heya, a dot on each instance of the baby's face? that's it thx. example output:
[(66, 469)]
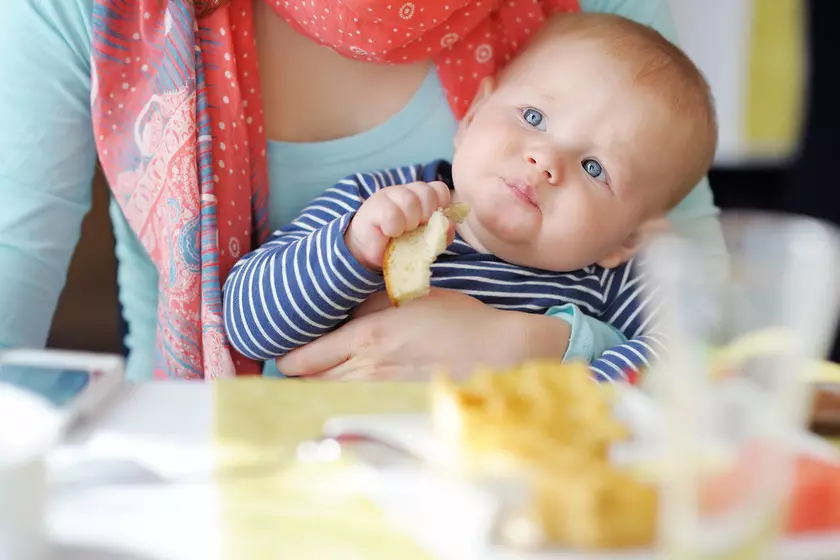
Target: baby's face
[(564, 160)]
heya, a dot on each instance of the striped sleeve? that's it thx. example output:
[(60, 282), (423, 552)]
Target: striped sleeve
[(303, 281), (632, 308)]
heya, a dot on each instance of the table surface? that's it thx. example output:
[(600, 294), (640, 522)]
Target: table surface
[(137, 481)]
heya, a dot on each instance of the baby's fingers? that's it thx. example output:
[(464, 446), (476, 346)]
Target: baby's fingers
[(443, 196), (390, 219), (407, 204), (427, 199)]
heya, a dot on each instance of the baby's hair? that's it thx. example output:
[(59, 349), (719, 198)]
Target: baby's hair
[(660, 67)]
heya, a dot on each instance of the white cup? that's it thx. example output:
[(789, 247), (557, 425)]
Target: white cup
[(28, 430)]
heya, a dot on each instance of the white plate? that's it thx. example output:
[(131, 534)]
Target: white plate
[(452, 520)]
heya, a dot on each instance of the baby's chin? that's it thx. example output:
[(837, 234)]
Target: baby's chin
[(508, 227), (519, 242), (532, 255)]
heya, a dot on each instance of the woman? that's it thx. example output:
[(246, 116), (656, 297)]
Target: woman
[(112, 78)]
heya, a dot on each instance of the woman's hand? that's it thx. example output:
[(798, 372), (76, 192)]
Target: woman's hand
[(445, 330)]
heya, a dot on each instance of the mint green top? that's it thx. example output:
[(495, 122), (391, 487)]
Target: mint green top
[(47, 157)]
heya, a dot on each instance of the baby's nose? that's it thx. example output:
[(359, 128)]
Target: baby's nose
[(547, 165)]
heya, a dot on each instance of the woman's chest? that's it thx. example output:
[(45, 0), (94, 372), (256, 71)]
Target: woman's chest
[(312, 94)]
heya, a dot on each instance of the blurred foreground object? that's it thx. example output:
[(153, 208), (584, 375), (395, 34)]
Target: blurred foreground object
[(28, 430), (810, 190), (547, 424), (780, 298)]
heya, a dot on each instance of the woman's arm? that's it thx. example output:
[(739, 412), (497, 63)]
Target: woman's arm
[(47, 157), (444, 331)]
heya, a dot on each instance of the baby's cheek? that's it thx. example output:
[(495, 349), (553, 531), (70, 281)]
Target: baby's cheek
[(579, 235)]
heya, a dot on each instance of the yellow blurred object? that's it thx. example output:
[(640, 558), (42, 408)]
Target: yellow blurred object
[(592, 505), (764, 343), (550, 424), (526, 410), (776, 76), (759, 343), (824, 372), (293, 510)]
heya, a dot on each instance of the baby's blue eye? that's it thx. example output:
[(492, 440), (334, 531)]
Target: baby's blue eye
[(532, 117), (594, 169)]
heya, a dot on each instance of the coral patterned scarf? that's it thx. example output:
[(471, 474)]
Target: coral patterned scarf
[(178, 123)]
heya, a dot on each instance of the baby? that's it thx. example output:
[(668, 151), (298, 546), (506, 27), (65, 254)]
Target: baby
[(567, 159)]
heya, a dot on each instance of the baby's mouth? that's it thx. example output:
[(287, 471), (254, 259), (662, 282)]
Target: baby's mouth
[(523, 191)]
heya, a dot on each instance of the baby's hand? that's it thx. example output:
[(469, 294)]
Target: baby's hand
[(390, 213)]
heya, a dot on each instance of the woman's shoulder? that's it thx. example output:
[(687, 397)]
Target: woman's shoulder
[(655, 13)]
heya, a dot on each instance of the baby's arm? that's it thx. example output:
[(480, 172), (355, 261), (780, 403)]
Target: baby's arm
[(308, 276), (590, 337), (303, 281), (632, 309)]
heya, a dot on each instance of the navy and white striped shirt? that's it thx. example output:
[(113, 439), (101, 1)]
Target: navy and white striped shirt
[(303, 281)]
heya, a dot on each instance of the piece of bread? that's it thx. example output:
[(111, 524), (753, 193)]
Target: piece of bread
[(408, 258)]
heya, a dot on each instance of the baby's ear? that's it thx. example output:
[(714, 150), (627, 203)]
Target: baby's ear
[(485, 88), (634, 242)]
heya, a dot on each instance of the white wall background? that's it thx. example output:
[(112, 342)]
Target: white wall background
[(715, 33)]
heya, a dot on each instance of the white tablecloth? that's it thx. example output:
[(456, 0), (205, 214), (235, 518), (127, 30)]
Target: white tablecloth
[(131, 484)]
